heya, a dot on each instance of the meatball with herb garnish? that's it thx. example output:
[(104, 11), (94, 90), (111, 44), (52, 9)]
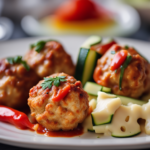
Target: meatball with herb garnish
[(124, 70), (16, 79), (58, 102), (48, 57)]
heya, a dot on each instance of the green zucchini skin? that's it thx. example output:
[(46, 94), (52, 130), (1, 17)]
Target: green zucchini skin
[(124, 100), (83, 73), (126, 136), (92, 84), (108, 122), (87, 58), (91, 130), (83, 53), (92, 40)]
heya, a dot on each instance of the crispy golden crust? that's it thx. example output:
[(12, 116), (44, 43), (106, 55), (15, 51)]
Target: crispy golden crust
[(65, 114), (135, 79), (15, 83), (52, 59)]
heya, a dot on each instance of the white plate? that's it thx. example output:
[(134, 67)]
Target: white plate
[(13, 136), (127, 19)]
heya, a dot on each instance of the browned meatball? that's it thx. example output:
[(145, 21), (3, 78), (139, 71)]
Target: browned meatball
[(64, 114), (15, 83), (136, 77), (51, 59)]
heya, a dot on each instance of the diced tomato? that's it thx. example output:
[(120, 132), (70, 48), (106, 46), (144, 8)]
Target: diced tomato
[(102, 48), (75, 10), (118, 59)]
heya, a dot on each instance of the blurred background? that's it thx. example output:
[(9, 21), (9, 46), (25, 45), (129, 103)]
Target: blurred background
[(30, 18)]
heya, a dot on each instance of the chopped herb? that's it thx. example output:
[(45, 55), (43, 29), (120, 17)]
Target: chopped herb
[(39, 45), (116, 71), (113, 52), (97, 136), (126, 47), (18, 60), (126, 63), (49, 81)]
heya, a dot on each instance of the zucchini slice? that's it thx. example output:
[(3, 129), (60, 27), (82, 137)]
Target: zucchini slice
[(96, 119), (126, 100), (92, 40), (87, 60), (105, 109), (127, 136), (106, 89), (92, 88)]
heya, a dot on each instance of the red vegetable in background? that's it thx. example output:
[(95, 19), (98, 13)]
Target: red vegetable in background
[(76, 10)]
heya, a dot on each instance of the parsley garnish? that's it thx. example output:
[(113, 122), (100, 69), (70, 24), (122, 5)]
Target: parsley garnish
[(39, 45), (126, 47), (18, 60), (55, 81)]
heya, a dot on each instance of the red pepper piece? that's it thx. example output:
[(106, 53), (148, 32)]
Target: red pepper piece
[(61, 94), (102, 48), (118, 59), (15, 117)]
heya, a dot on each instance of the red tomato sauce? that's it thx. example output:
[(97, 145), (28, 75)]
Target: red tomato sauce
[(76, 132)]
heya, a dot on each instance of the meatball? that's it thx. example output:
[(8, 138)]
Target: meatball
[(136, 76), (64, 114), (15, 83), (51, 59)]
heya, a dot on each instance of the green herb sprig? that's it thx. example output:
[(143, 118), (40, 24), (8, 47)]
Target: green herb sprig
[(126, 63), (49, 81), (18, 60), (126, 47), (39, 45)]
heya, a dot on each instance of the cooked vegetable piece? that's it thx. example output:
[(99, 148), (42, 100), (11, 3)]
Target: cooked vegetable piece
[(92, 40), (102, 48), (77, 10), (87, 60), (118, 59), (126, 63), (106, 106), (89, 86), (92, 88)]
